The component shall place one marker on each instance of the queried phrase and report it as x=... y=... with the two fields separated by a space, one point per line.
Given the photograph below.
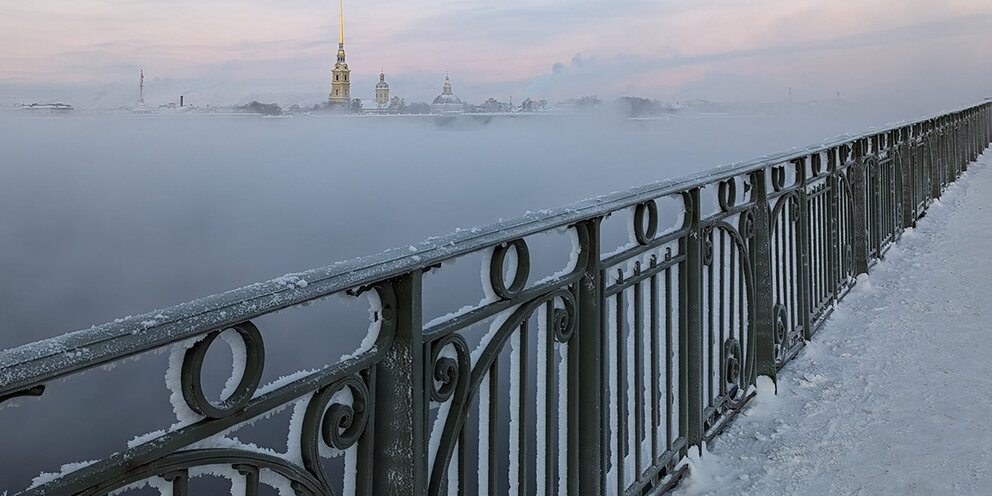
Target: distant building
x=381 y=105
x=48 y=108
x=447 y=102
x=382 y=90
x=340 y=84
x=139 y=106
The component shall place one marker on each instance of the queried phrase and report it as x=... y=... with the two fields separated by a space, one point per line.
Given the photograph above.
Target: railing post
x=933 y=159
x=896 y=150
x=982 y=117
x=986 y=134
x=400 y=453
x=965 y=140
x=986 y=126
x=987 y=120
x=805 y=290
x=691 y=324
x=761 y=263
x=856 y=176
x=949 y=162
x=976 y=135
x=959 y=162
x=907 y=174
x=587 y=443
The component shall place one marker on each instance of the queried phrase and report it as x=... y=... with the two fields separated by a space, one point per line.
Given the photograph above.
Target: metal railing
x=609 y=371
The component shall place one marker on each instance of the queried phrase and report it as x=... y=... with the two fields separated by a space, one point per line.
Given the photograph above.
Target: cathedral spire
x=340 y=85
x=341 y=25
x=341 y=32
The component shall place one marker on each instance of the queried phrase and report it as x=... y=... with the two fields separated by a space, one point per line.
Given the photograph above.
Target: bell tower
x=382 y=90
x=340 y=76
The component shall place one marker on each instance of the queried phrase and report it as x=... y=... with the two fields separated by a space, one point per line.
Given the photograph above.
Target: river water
x=103 y=216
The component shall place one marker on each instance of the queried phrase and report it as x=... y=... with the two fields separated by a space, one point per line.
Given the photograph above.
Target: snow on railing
x=598 y=379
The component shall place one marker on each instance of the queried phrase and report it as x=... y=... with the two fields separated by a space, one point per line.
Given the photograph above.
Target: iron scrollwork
x=707 y=245
x=781 y=329
x=469 y=377
x=448 y=371
x=746 y=223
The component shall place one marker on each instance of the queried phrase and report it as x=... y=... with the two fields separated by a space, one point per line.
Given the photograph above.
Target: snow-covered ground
x=894 y=393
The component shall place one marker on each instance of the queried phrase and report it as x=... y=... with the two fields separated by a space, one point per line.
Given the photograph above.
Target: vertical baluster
x=251 y=478
x=669 y=369
x=719 y=258
x=621 y=385
x=814 y=239
x=733 y=295
x=655 y=327
x=462 y=457
x=179 y=480
x=707 y=330
x=552 y=421
x=493 y=461
x=522 y=457
x=638 y=330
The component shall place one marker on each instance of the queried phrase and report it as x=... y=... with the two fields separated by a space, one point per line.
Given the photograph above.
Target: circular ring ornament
x=780 y=323
x=497 y=264
x=778 y=178
x=644 y=235
x=732 y=363
x=815 y=164
x=192 y=370
x=727 y=194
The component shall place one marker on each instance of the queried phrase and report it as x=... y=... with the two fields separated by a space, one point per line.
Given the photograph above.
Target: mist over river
x=103 y=216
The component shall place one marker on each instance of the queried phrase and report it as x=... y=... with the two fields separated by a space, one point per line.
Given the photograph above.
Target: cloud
x=542 y=48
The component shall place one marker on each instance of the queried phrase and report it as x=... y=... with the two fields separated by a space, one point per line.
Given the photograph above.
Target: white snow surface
x=892 y=395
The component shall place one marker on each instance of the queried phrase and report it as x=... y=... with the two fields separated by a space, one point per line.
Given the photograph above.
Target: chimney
x=180 y=100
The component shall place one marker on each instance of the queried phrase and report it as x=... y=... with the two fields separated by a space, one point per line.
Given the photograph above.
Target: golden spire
x=341 y=24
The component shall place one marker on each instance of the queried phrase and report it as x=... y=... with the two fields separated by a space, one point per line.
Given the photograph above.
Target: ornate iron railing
x=609 y=370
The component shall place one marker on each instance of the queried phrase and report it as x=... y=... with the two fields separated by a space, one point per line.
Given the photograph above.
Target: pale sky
x=89 y=52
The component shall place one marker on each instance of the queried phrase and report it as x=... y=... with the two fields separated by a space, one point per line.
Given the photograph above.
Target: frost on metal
x=692 y=260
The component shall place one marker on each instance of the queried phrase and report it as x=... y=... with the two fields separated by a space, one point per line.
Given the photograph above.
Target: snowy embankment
x=894 y=393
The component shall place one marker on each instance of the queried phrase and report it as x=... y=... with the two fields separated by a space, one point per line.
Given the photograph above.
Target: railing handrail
x=35 y=363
